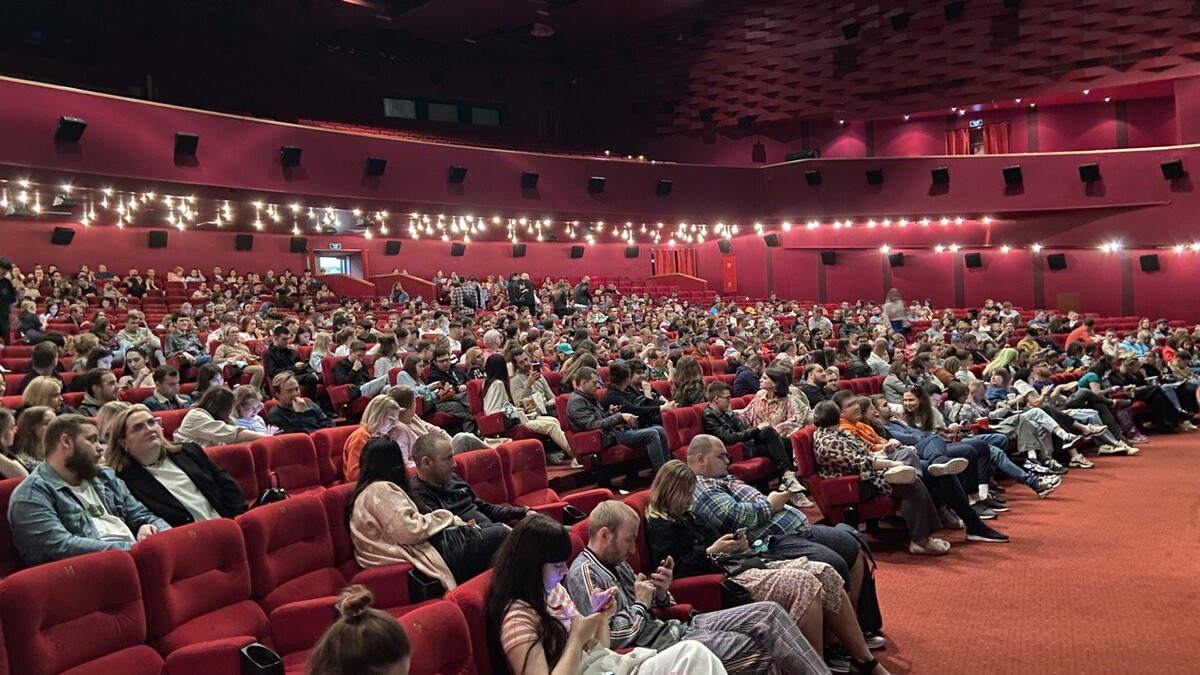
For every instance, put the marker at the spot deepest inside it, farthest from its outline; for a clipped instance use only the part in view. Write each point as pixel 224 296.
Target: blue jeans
pixel 653 438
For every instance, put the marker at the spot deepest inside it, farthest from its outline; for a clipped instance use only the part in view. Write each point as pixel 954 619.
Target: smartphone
pixel 739 533
pixel 601 599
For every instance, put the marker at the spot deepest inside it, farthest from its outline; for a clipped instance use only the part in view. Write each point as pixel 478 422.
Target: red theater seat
pixel 10 561
pixel 684 424
pixel 329 444
pixel 433 627
pixel 528 485
pixel 292 458
pixel 603 462
pixel 238 462
pixel 389 583
pixel 137 395
pixel 494 424
pixel 82 616
pixel 171 419
pixel 196 586
pixel 484 472
pixel 471 599
pixel 838 498
pixel 290 552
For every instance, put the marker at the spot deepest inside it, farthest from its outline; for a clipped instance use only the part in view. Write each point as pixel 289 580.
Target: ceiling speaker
pixel 596 185
pixel 244 242
pixel 954 10
pixel 1012 175
pixel 896 259
pixel 828 257
pixel 900 21
pixel 1089 173
pixel 289 155
pixel 725 246
pixel 664 187
pixel 973 261
pixel 874 176
pixel 375 167
pixel 576 251
pixel 1173 170
pixel 632 251
pixel 1149 262
pixel 457 174
pixel 772 240
pixel 850 30
pixel 299 245
pixel 519 250
pixel 62 236
pixel 941 175
pixel 746 121
pixel 157 239
pixel 70 129
pixel 1056 261
pixel 186 144
pixel 457 249
pixel 706 114
pixel 812 177
pixel 529 180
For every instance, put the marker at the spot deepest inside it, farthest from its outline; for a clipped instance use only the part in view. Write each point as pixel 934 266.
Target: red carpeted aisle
pixel 1101 577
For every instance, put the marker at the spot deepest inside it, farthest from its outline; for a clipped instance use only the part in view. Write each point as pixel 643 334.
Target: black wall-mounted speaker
pixel 289 155
pixel 157 239
pixel 1089 173
pixel 941 175
pixel 812 177
pixel 973 260
pixel 375 167
pixel 299 245
pixel 632 251
pixel 1012 175
pixel 186 144
pixel 828 257
pixel 874 176
pixel 456 174
pixel 529 180
pixel 771 239
pixel 62 236
pixel 896 259
pixel 1056 261
pixel 244 242
pixel 663 187
pixel 596 184
pixel 1149 262
pixel 576 251
pixel 391 247
pixel 725 245
pixel 1173 170
pixel 457 249
pixel 70 129
pixel 519 250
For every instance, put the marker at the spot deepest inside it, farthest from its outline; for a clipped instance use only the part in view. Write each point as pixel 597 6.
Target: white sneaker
pixel 900 475
pixel 801 501
pixel 935 546
pixel 790 483
pixel 949 468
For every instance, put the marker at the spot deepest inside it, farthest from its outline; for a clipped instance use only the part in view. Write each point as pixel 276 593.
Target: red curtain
pixel 958 142
pixel 995 138
pixel 674 261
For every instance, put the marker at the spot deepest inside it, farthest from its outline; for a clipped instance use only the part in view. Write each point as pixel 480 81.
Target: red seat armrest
pixel 491 425
pixel 298 625
pixel 680 612
pixel 388 583
pixel 205 658
pixel 587 442
pixel 587 500
pixel 702 592
pixel 841 491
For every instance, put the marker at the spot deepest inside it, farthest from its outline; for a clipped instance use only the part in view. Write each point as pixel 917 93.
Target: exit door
pixel 729 274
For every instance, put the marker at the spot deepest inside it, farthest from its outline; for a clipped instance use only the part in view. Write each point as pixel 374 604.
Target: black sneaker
pixel 1044 485
pixel 874 639
pixel 988 535
pixel 837 658
pixel 984 512
pixel 997 505
pixel 1035 467
pixel 1055 467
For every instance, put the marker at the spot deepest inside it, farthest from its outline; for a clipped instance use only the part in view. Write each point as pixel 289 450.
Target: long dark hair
pixel 923 417
pixel 517 577
pixel 218 401
pixel 381 461
pixel 495 369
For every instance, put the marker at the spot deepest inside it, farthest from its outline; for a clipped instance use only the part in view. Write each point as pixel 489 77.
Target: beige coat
pixel 387 528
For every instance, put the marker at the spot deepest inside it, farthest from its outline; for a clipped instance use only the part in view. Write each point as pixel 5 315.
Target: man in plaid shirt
pixel 730 504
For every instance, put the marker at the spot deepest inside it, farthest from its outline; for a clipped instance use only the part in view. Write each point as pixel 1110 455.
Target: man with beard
pixel 69 505
pixel 815 386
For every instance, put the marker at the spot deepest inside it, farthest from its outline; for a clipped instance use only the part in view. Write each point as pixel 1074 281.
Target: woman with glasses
pixel 179 483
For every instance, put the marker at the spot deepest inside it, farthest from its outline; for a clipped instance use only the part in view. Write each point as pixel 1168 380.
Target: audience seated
pixel 43 363
pixel 752 428
pixel 178 483
pixel 210 422
pixel 100 387
pixel 450 390
pixel 748 639
pixel 166 394
pixel 498 398
pixel 585 414
pixel 70 505
pixel 138 373
pixel 280 357
pixel 292 413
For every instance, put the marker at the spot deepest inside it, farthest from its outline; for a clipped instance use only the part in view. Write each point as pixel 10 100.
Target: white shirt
pixel 182 488
pixel 109 527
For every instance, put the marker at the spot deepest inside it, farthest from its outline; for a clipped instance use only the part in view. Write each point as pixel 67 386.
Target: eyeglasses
pixel 148 424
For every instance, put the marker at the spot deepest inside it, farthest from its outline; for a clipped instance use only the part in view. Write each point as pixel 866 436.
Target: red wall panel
pixel 1151 122
pixel 857 274
pixel 925 275
pixel 1080 127
pixel 1170 292
pixel 1004 276
pixel 794 272
pixel 1092 276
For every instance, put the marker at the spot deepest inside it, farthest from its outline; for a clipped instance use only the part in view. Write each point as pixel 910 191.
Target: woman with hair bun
pixel 362 641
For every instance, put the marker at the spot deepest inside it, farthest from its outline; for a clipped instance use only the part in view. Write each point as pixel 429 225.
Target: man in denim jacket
pixel 70 506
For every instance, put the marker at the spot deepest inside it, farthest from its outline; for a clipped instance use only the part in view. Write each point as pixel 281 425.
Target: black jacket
pixel 458 498
pixel 746 382
pixel 726 426
pixel 277 360
pixel 344 373
pixel 289 421
pixel 634 402
pixel 217 487
pixel 686 540
pixel 815 394
pixel 453 377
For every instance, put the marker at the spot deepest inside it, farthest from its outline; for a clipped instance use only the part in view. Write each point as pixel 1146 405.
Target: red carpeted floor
pixel 1101 577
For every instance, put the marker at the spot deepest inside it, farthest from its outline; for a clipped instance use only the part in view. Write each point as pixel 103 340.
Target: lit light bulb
pixel 939 248
pixel 1005 248
pixel 1036 248
pixel 1179 248
pixel 954 248
pixel 885 248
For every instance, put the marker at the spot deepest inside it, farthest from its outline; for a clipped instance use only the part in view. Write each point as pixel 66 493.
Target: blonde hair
pixel 673 486
pixel 473 354
pixel 377 409
pixel 115 455
pixel 322 342
pixel 108 413
pixel 611 514
pixel 43 391
pixel 243 394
